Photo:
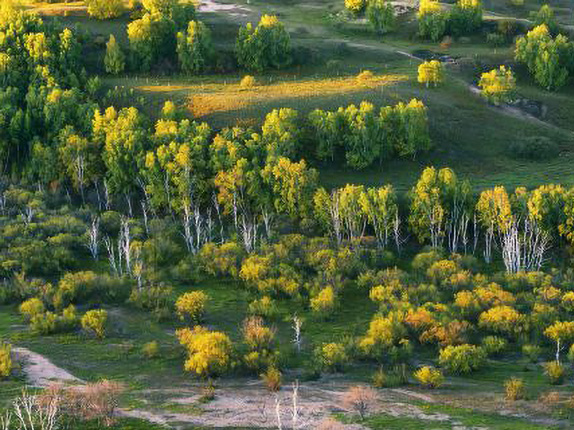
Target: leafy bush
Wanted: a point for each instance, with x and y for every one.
(535, 148)
(95, 321)
(514, 389)
(247, 82)
(156, 298)
(151, 349)
(5, 359)
(532, 352)
(462, 359)
(555, 372)
(324, 303)
(32, 307)
(272, 379)
(264, 307)
(429, 377)
(331, 356)
(494, 345)
(191, 306)
(209, 352)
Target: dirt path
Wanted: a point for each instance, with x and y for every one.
(40, 371)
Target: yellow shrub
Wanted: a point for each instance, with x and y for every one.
(5, 360)
(151, 349)
(429, 377)
(272, 379)
(95, 321)
(256, 335)
(324, 302)
(514, 389)
(332, 356)
(209, 352)
(247, 82)
(191, 305)
(365, 76)
(555, 372)
(32, 307)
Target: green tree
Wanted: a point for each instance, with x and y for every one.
(105, 9)
(548, 59)
(545, 15)
(431, 19)
(267, 46)
(194, 48)
(465, 17)
(381, 16)
(115, 60)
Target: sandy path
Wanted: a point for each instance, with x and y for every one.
(40, 371)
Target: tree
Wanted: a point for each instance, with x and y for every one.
(381, 208)
(431, 72)
(360, 400)
(115, 60)
(152, 38)
(105, 9)
(548, 59)
(95, 321)
(267, 46)
(545, 15)
(124, 138)
(194, 48)
(209, 352)
(561, 332)
(432, 20)
(465, 17)
(381, 16)
(281, 133)
(498, 85)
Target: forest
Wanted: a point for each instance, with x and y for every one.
(323, 214)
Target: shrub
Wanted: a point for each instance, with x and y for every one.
(155, 298)
(431, 72)
(272, 379)
(429, 377)
(534, 148)
(5, 359)
(95, 321)
(365, 76)
(45, 323)
(324, 303)
(247, 82)
(151, 349)
(32, 307)
(256, 335)
(494, 345)
(555, 372)
(462, 359)
(514, 389)
(355, 6)
(191, 306)
(532, 352)
(331, 356)
(360, 400)
(265, 307)
(330, 424)
(209, 352)
(498, 85)
(495, 39)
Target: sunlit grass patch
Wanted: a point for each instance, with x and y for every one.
(207, 99)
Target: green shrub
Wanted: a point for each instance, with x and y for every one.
(264, 307)
(514, 389)
(494, 345)
(495, 39)
(535, 148)
(462, 359)
(155, 298)
(44, 323)
(531, 352)
(151, 350)
(429, 377)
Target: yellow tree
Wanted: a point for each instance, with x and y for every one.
(431, 72)
(498, 85)
(561, 332)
